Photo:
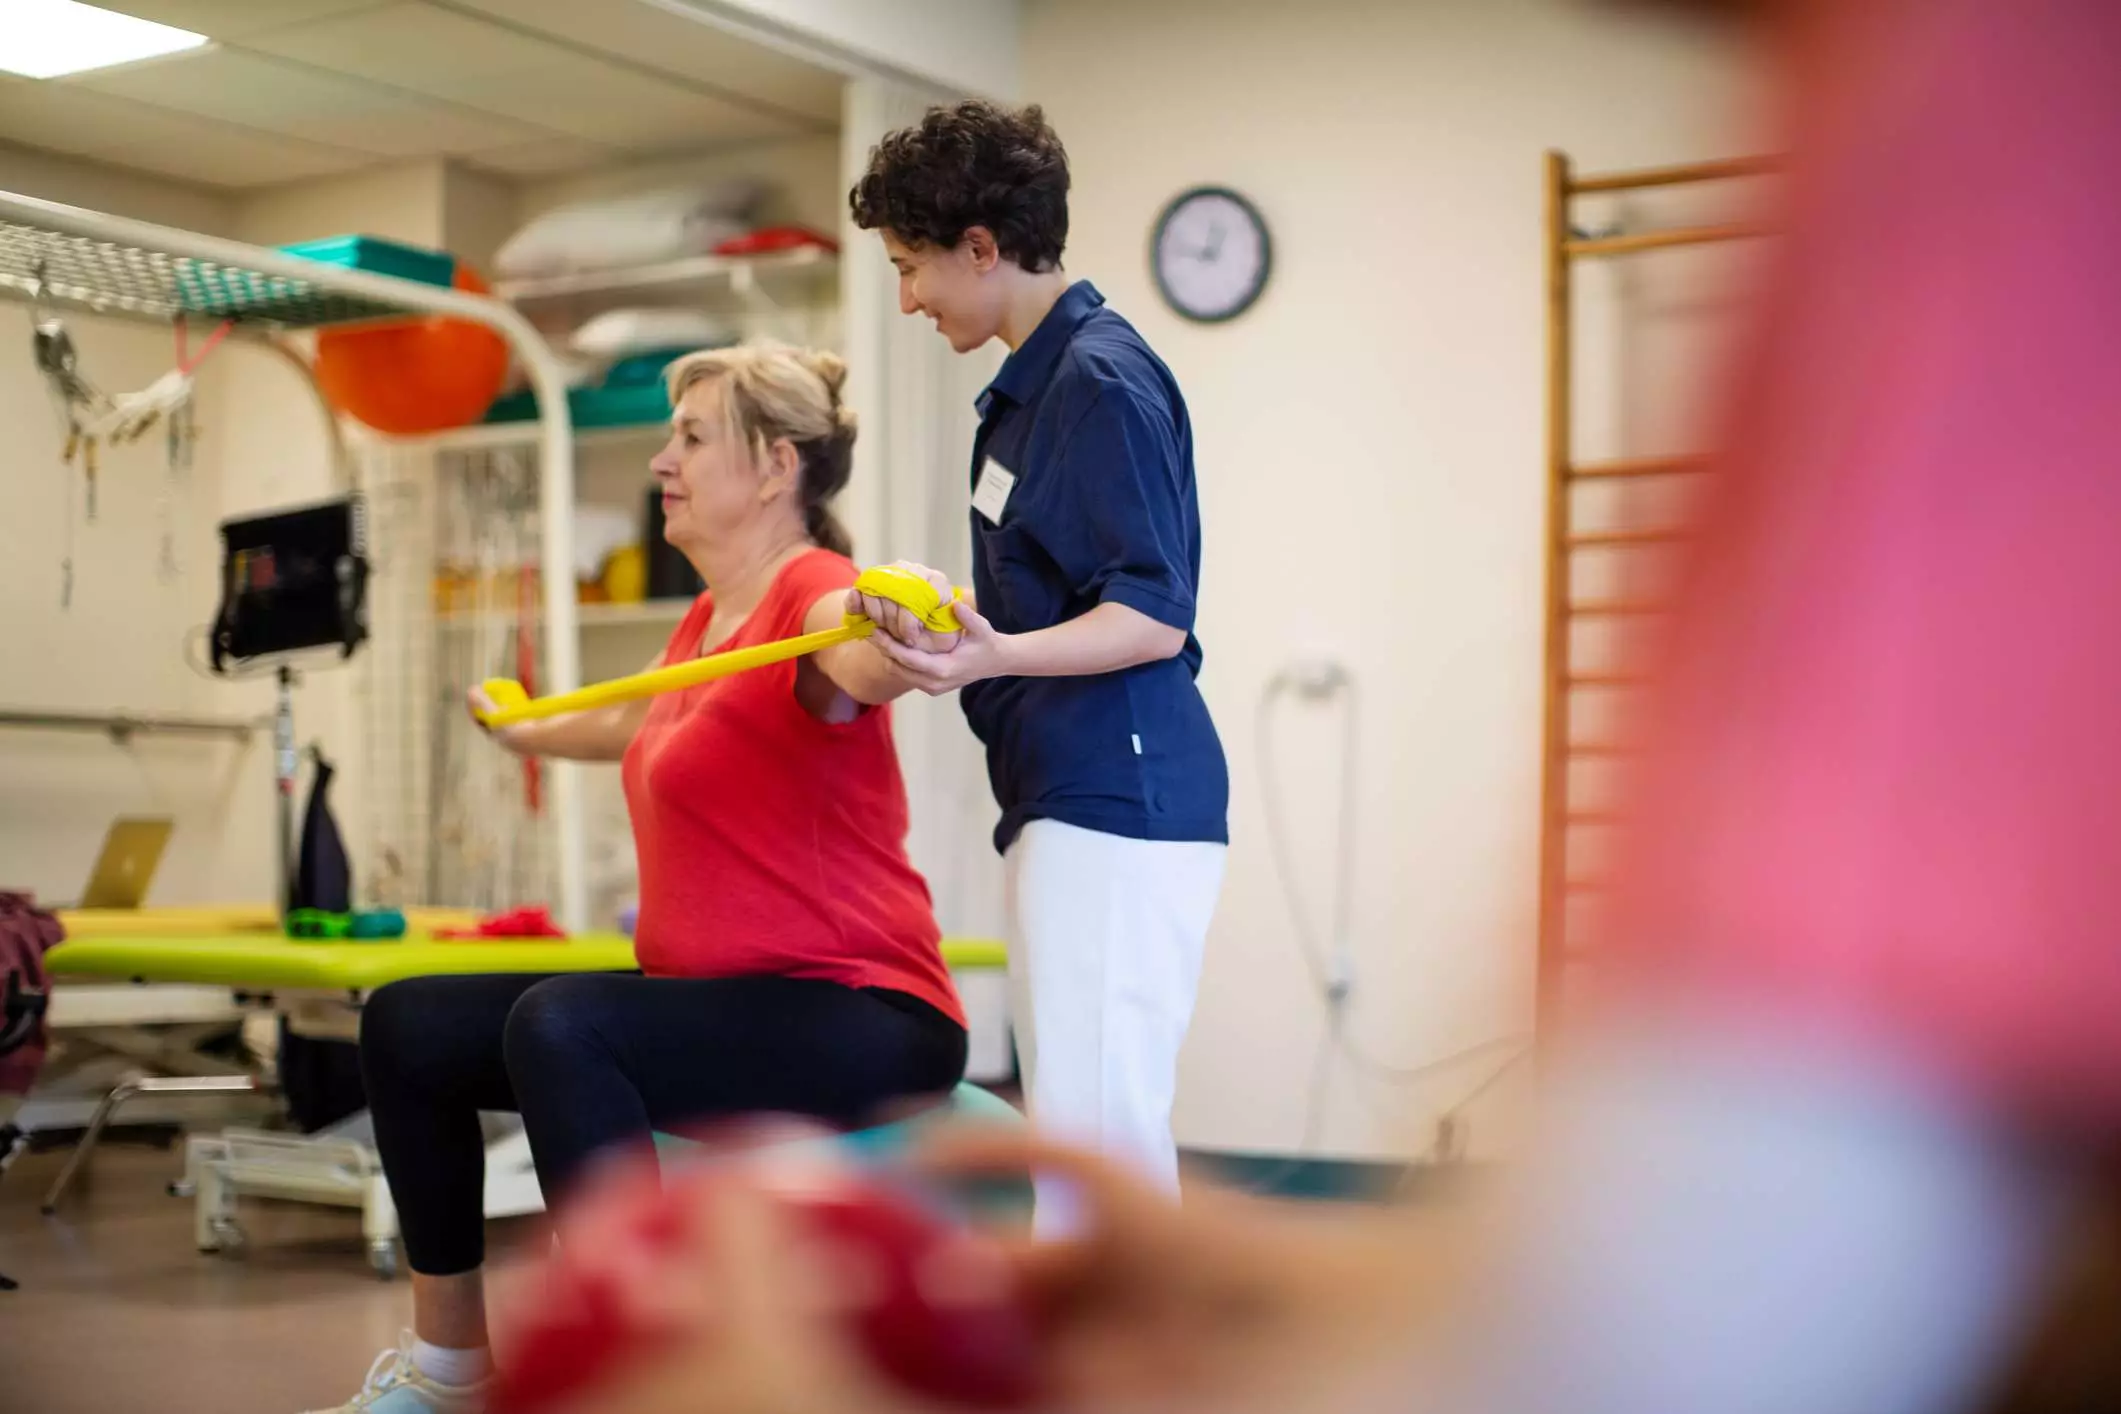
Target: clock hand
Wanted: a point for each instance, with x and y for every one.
(1215, 242)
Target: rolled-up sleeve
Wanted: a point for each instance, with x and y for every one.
(1123, 530)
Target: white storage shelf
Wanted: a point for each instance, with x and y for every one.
(700, 279)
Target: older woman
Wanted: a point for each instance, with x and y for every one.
(789, 952)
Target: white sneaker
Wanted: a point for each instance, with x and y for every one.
(396, 1386)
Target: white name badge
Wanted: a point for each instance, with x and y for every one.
(991, 496)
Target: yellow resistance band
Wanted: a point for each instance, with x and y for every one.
(512, 704)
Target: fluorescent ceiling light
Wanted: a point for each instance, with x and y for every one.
(43, 39)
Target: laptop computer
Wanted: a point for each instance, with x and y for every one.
(126, 867)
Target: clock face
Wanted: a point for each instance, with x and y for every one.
(1211, 254)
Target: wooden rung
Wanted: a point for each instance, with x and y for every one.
(1638, 466)
(1675, 176)
(1590, 817)
(1607, 680)
(1639, 241)
(1623, 539)
(1615, 609)
(1600, 751)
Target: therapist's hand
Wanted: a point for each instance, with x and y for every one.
(976, 652)
(894, 620)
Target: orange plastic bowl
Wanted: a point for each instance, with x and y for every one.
(414, 375)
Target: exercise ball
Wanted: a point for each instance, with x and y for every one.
(414, 375)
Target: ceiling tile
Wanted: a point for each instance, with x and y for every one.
(607, 104)
(412, 46)
(546, 83)
(684, 49)
(278, 96)
(527, 88)
(234, 19)
(68, 118)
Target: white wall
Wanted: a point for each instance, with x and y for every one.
(119, 648)
(1370, 457)
(28, 172)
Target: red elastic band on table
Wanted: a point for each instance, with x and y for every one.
(501, 927)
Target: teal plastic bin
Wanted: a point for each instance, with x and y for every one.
(379, 257)
(644, 406)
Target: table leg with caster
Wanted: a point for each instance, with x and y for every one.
(214, 1224)
(379, 1227)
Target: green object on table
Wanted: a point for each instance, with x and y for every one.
(312, 924)
(381, 925)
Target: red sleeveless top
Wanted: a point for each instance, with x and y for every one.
(771, 842)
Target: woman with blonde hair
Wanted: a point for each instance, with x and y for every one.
(789, 954)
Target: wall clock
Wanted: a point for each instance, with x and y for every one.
(1211, 254)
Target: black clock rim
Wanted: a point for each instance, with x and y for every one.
(1266, 254)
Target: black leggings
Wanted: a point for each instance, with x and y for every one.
(601, 1059)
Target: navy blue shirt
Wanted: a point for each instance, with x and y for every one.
(1092, 427)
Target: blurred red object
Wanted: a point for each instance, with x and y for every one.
(938, 1310)
(768, 239)
(1883, 770)
(415, 375)
(515, 923)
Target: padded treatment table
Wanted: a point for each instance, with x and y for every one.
(320, 987)
(148, 1040)
(264, 962)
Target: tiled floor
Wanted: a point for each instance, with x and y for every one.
(117, 1312)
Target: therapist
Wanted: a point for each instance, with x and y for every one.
(1077, 669)
(791, 957)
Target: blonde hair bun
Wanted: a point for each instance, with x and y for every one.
(830, 368)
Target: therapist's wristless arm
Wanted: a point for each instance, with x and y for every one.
(1109, 638)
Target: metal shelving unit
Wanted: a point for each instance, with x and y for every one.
(92, 262)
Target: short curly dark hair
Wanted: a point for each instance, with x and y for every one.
(971, 164)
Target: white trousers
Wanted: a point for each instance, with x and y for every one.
(1106, 936)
